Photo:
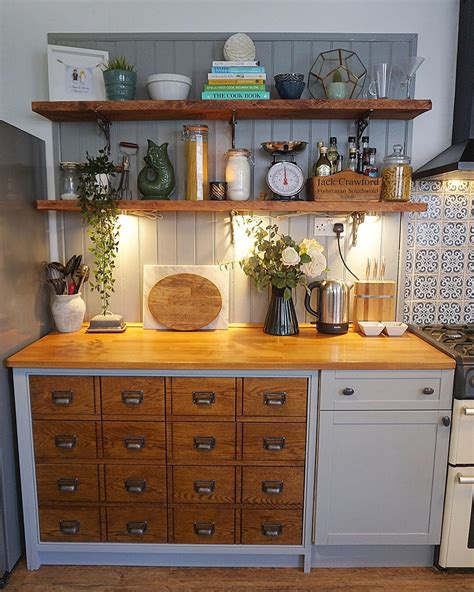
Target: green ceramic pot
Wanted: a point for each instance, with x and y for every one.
(120, 85)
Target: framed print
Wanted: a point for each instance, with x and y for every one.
(75, 73)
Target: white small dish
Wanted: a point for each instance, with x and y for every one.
(394, 329)
(165, 87)
(371, 328)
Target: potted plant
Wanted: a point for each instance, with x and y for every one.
(99, 212)
(337, 89)
(120, 79)
(278, 261)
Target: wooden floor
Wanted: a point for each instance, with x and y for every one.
(166, 579)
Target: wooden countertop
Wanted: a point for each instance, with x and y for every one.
(239, 348)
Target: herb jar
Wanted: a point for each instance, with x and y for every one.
(69, 180)
(396, 176)
(238, 174)
(196, 149)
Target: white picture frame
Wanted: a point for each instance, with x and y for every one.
(74, 73)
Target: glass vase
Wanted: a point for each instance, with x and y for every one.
(281, 315)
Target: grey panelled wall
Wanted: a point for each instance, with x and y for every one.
(205, 238)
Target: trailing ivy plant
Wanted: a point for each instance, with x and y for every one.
(100, 213)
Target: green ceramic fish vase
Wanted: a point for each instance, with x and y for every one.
(156, 179)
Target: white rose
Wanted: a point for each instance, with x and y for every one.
(290, 257)
(317, 264)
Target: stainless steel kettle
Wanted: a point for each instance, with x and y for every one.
(333, 305)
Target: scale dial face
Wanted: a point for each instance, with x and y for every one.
(285, 179)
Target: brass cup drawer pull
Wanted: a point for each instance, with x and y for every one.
(204, 442)
(135, 485)
(272, 487)
(274, 399)
(204, 397)
(204, 529)
(134, 442)
(62, 397)
(68, 485)
(272, 530)
(69, 526)
(137, 528)
(204, 487)
(65, 442)
(274, 443)
(132, 397)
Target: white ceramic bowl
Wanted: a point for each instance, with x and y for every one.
(394, 329)
(371, 328)
(168, 87)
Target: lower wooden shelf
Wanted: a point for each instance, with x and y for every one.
(308, 207)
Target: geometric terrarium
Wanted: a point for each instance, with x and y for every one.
(338, 73)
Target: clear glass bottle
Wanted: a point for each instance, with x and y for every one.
(339, 163)
(371, 169)
(238, 173)
(351, 146)
(352, 166)
(196, 152)
(396, 176)
(323, 167)
(69, 180)
(333, 154)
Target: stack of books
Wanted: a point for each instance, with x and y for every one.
(235, 80)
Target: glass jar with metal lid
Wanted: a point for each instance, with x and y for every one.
(396, 176)
(69, 180)
(196, 153)
(238, 173)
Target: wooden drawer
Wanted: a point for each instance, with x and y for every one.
(133, 397)
(205, 484)
(202, 396)
(134, 440)
(272, 527)
(204, 526)
(70, 523)
(65, 439)
(137, 523)
(275, 397)
(135, 483)
(208, 440)
(272, 485)
(67, 482)
(274, 441)
(374, 390)
(62, 395)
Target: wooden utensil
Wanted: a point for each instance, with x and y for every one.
(185, 301)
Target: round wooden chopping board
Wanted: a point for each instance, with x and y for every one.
(185, 301)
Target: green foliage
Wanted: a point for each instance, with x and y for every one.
(337, 76)
(119, 63)
(265, 264)
(100, 213)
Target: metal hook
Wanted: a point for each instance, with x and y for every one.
(361, 124)
(357, 219)
(104, 125)
(233, 123)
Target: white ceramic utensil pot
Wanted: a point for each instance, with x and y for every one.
(68, 312)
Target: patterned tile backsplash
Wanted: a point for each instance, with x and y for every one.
(439, 283)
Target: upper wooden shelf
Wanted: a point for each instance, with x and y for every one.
(309, 207)
(223, 110)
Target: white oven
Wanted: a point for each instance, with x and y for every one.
(457, 538)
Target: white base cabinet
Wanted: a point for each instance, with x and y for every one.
(381, 474)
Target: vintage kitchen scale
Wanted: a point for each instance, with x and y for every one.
(285, 178)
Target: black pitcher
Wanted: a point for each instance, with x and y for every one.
(281, 315)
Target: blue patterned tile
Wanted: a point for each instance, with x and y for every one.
(449, 313)
(410, 234)
(455, 207)
(468, 312)
(425, 287)
(451, 287)
(406, 313)
(452, 260)
(469, 288)
(423, 313)
(427, 234)
(461, 186)
(454, 234)
(409, 260)
(426, 260)
(434, 206)
(408, 287)
(470, 261)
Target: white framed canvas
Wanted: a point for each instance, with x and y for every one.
(75, 73)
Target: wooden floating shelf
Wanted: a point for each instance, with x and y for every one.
(223, 110)
(304, 207)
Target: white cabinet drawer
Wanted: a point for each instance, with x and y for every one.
(385, 390)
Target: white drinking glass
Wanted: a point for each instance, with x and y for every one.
(379, 88)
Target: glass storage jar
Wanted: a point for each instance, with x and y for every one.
(195, 149)
(69, 180)
(238, 173)
(396, 176)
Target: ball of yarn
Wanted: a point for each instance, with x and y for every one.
(239, 48)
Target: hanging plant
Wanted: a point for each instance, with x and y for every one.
(99, 212)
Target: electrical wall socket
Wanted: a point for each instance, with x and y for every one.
(324, 226)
